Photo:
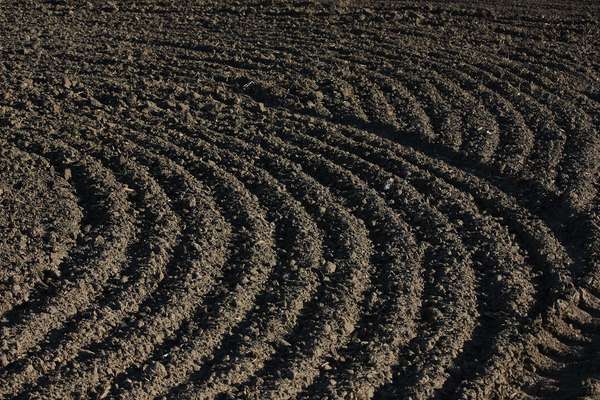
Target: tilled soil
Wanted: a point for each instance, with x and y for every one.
(299, 200)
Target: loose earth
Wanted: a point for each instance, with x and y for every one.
(271, 199)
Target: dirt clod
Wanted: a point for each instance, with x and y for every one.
(330, 267)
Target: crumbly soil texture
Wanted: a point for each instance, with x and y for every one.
(270, 199)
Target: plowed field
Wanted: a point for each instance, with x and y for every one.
(299, 200)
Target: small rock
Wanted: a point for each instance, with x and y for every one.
(104, 392)
(95, 103)
(388, 184)
(159, 369)
(348, 326)
(184, 108)
(67, 173)
(27, 83)
(197, 246)
(365, 393)
(23, 243)
(16, 289)
(330, 267)
(55, 257)
(293, 265)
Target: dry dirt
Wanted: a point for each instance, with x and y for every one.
(299, 200)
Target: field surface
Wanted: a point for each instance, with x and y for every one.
(294, 200)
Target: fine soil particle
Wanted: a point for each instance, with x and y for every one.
(299, 200)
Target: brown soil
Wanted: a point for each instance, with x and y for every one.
(299, 199)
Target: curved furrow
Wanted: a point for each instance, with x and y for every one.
(518, 306)
(446, 65)
(576, 96)
(334, 312)
(409, 113)
(349, 200)
(533, 108)
(340, 99)
(577, 173)
(199, 340)
(535, 72)
(375, 102)
(193, 199)
(436, 256)
(352, 268)
(88, 269)
(145, 274)
(41, 236)
(420, 153)
(502, 282)
(116, 302)
(341, 96)
(192, 161)
(166, 310)
(517, 52)
(255, 349)
(515, 141)
(564, 354)
(390, 257)
(483, 138)
(549, 140)
(576, 93)
(516, 138)
(481, 131)
(447, 123)
(546, 250)
(407, 110)
(514, 144)
(569, 340)
(478, 129)
(489, 197)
